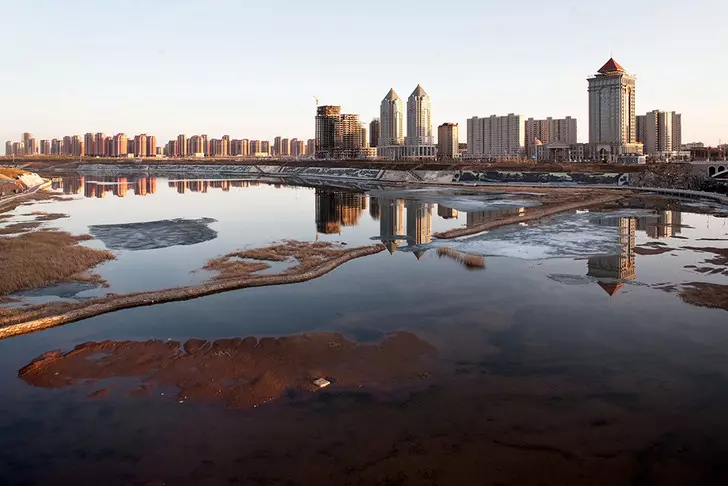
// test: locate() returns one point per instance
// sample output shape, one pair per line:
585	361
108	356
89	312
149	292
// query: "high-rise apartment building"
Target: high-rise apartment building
311	147
120	145
496	136
77	146
45	147
67	145
612	115
265	147
56	147
141	146
285	149
364	137
108	146
391	137
419	141
660	132
225	145
181	145
277	146
374	127
89	144
9	148
18	148
151	146
298	148
550	130
32	148
100	145
254	147
196	145
447	141
327	117
26	142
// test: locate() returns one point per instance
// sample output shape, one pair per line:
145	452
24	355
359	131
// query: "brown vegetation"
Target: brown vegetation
705	294
240	373
313	264
44	216
471	262
42	258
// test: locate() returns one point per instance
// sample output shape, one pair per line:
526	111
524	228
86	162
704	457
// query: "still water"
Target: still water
567	357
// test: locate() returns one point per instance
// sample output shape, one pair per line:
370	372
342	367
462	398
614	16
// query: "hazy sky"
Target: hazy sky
251	69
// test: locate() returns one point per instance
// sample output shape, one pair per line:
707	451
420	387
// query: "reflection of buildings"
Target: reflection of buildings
611	269
100	186
335	209
202	185
391	223
419	225
482	217
70	185
374	209
446	213
666	225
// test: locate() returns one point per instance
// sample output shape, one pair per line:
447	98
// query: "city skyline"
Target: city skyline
277	96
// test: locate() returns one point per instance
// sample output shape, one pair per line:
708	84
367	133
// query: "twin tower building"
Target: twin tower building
419	142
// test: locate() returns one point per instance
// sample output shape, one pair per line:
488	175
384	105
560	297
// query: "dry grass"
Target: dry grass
15	228
44	216
42	258
471	262
304	255
30	199
228	267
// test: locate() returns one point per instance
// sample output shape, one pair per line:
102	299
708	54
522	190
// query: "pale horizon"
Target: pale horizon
186	67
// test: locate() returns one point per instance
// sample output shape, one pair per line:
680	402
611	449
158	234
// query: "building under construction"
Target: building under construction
338	136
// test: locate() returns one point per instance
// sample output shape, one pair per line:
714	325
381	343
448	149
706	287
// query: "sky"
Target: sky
252	69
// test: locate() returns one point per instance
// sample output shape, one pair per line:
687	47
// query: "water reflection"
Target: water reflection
612	270
335	209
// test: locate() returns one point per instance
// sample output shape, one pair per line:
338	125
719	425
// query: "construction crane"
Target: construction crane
317	101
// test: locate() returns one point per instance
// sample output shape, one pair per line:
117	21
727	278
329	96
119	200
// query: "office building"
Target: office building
612	115
496	137
391	136
447	141
374	128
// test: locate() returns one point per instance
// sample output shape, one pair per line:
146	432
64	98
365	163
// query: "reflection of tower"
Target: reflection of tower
419	225
609	270
89	189
374	209
152	185
391	223
446	213
482	217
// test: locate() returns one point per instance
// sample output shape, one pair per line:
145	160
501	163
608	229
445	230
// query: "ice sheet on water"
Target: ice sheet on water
154	234
461	200
571	235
